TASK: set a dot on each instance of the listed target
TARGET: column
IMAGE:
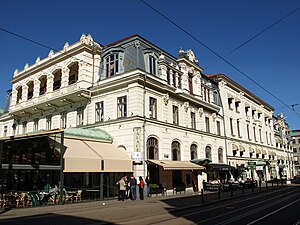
(50, 82)
(65, 77)
(36, 88)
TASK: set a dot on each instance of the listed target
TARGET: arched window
(175, 151)
(19, 94)
(220, 155)
(73, 75)
(193, 151)
(208, 152)
(57, 80)
(30, 90)
(43, 84)
(152, 148)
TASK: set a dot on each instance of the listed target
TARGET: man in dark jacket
(133, 184)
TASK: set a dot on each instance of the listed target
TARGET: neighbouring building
(295, 144)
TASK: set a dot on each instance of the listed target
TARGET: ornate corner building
(156, 107)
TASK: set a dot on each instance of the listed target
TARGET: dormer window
(152, 65)
(112, 64)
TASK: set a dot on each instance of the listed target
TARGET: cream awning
(258, 151)
(234, 147)
(94, 156)
(175, 165)
(242, 149)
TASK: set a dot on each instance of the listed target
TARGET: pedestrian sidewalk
(176, 201)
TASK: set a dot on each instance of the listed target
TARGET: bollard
(252, 186)
(259, 185)
(219, 192)
(202, 195)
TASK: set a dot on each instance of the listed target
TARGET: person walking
(148, 185)
(133, 183)
(141, 188)
(122, 189)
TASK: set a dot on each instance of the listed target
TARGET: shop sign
(137, 157)
(252, 165)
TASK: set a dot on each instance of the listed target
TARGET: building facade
(158, 108)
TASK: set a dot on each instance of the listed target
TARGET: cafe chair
(78, 196)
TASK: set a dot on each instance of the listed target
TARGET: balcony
(56, 99)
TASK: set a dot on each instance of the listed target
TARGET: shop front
(74, 159)
(174, 176)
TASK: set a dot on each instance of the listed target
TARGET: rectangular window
(63, 119)
(294, 141)
(80, 116)
(207, 126)
(231, 126)
(254, 134)
(35, 124)
(218, 128)
(230, 103)
(191, 84)
(112, 64)
(267, 139)
(298, 141)
(270, 135)
(193, 120)
(99, 111)
(48, 122)
(237, 107)
(238, 127)
(122, 106)
(175, 115)
(24, 127)
(248, 132)
(152, 65)
(247, 110)
(5, 131)
(260, 138)
(152, 108)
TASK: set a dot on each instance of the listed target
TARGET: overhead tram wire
(218, 55)
(258, 34)
(46, 46)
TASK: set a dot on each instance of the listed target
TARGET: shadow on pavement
(50, 219)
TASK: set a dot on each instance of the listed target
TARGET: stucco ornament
(66, 46)
(191, 56)
(38, 59)
(200, 111)
(26, 66)
(214, 116)
(51, 53)
(186, 106)
(166, 98)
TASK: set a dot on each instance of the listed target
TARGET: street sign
(252, 165)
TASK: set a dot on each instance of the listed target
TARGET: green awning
(202, 162)
(91, 134)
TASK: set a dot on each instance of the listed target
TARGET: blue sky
(272, 59)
